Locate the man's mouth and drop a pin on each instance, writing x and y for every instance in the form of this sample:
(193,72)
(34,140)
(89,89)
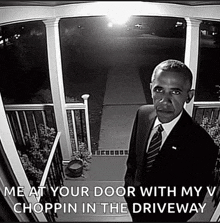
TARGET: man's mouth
(165,111)
(165,115)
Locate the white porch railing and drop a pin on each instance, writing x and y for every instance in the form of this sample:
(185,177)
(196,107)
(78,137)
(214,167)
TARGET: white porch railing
(212,111)
(24,119)
(76,121)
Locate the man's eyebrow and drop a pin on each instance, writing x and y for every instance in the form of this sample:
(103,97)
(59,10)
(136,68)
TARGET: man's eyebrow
(176,89)
(158,86)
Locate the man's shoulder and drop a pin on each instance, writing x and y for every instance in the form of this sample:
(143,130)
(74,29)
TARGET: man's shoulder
(193,126)
(146,108)
(196,132)
(146,111)
(196,137)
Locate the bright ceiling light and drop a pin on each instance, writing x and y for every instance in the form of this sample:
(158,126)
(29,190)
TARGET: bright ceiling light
(110,24)
(120,12)
(118,18)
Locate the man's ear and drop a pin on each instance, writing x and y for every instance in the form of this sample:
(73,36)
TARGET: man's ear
(191,94)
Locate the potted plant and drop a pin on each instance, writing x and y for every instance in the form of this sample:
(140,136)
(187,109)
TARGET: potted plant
(79,161)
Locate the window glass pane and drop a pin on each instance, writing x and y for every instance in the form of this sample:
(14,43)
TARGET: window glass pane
(24,66)
(91,46)
(208,78)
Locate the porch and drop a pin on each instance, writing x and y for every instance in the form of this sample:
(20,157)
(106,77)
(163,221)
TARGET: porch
(71,120)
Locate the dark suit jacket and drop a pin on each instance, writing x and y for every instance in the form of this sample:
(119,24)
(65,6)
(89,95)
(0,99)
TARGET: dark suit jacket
(187,157)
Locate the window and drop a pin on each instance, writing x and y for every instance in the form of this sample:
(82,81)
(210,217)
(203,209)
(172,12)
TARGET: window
(208,74)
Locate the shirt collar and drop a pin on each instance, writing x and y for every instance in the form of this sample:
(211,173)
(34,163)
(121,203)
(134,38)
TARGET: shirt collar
(167,126)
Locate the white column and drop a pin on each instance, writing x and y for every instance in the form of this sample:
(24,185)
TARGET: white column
(192,53)
(216,215)
(56,82)
(15,163)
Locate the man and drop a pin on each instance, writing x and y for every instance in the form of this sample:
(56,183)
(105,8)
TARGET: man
(179,160)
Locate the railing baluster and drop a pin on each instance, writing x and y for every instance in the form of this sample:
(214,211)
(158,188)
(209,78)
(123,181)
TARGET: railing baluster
(88,132)
(58,167)
(26,123)
(74,129)
(59,162)
(85,98)
(20,127)
(81,126)
(218,115)
(203,112)
(44,118)
(35,124)
(212,114)
(12,132)
(14,128)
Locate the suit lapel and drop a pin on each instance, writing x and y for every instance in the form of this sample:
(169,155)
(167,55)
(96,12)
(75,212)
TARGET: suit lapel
(148,131)
(173,139)
(146,125)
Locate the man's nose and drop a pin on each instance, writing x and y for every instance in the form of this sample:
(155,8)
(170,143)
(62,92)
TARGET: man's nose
(166,98)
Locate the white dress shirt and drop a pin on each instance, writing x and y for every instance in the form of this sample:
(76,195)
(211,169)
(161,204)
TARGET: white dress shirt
(167,127)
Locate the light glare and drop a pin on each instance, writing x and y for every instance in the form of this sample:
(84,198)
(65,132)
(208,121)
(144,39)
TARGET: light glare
(110,24)
(119,18)
(120,13)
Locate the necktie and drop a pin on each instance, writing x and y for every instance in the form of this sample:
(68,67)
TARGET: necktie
(154,148)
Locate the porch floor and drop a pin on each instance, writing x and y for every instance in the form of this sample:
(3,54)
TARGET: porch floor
(105,171)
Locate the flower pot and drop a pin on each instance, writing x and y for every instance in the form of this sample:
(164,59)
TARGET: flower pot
(74,168)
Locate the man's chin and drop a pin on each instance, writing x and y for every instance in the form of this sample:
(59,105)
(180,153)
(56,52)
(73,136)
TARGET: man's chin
(165,116)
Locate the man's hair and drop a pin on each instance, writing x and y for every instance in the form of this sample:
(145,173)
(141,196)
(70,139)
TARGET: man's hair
(175,66)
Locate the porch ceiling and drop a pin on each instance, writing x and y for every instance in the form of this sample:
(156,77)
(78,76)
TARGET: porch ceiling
(38,3)
(56,3)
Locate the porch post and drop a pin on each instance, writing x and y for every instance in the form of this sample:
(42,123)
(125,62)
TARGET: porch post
(56,82)
(192,53)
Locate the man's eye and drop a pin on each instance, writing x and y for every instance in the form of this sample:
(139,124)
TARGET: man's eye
(176,92)
(158,90)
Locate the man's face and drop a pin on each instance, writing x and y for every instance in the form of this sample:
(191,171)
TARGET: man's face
(169,91)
